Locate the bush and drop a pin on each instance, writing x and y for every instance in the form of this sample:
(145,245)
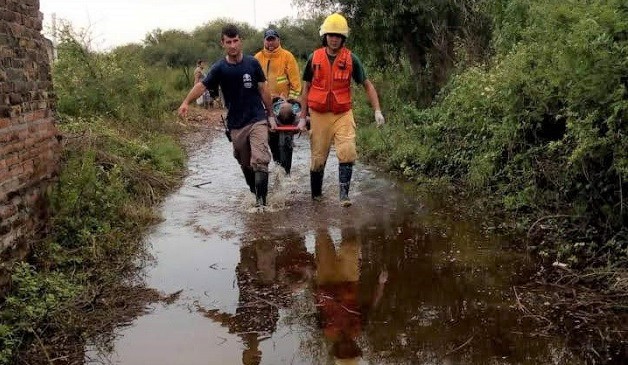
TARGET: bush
(115,85)
(543,126)
(37,297)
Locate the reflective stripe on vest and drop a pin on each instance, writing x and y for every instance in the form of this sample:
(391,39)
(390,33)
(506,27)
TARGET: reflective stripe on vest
(331,84)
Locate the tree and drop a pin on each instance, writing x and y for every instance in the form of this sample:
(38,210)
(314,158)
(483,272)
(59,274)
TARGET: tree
(172,48)
(208,35)
(427,32)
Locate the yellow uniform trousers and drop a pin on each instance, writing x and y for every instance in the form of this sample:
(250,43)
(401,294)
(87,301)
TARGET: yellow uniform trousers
(337,265)
(328,128)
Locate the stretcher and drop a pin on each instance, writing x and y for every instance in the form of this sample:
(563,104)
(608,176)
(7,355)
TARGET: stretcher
(282,139)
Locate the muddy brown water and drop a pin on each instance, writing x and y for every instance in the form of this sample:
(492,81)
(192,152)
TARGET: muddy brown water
(397,278)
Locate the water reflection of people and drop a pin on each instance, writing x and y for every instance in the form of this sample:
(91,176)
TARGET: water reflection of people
(341,310)
(268,272)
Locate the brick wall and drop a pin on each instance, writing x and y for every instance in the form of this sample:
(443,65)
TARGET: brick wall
(29,149)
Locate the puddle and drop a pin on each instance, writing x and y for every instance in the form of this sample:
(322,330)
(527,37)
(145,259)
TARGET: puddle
(389,280)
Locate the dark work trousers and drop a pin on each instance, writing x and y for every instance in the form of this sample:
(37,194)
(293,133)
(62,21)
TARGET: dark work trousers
(250,146)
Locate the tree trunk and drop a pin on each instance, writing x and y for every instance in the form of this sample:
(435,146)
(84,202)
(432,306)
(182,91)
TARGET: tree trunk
(418,61)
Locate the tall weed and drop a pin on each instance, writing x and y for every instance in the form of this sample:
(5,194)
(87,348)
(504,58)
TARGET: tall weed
(115,85)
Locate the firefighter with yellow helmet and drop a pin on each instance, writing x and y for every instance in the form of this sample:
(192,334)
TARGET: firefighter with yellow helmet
(326,96)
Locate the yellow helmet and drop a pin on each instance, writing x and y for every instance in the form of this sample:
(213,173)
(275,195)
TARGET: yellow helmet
(335,24)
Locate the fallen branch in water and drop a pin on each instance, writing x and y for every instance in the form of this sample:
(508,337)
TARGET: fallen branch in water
(460,347)
(546,218)
(202,184)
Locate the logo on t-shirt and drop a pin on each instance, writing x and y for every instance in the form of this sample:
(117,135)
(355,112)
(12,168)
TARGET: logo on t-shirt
(247,80)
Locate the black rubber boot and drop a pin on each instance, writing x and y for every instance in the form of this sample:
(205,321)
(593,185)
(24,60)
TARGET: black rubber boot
(273,143)
(285,151)
(345,170)
(249,176)
(316,184)
(261,188)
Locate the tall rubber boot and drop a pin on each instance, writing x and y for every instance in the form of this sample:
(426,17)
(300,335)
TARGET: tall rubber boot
(345,170)
(261,188)
(249,176)
(285,151)
(273,143)
(316,184)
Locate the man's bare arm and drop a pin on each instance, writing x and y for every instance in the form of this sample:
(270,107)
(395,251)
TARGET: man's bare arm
(267,100)
(371,93)
(196,91)
(264,90)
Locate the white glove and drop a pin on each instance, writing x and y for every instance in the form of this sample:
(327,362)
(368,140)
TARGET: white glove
(302,125)
(272,122)
(379,118)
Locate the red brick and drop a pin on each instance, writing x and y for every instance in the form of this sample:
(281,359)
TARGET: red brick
(6,211)
(29,151)
(12,160)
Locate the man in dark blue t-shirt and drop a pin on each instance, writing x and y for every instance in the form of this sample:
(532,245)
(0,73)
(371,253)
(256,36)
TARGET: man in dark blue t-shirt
(245,93)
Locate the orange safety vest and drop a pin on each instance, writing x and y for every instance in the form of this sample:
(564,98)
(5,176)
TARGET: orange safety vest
(331,84)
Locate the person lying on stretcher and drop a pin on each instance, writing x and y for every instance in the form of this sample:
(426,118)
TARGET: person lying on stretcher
(281,141)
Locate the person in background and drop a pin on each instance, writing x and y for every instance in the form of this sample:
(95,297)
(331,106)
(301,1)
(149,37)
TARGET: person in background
(243,85)
(280,67)
(199,74)
(283,77)
(282,142)
(327,97)
(199,71)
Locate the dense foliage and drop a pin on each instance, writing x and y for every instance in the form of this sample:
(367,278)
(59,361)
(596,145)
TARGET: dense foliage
(179,50)
(542,126)
(429,33)
(115,85)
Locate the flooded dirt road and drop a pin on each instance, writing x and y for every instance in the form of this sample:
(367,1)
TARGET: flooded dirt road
(393,279)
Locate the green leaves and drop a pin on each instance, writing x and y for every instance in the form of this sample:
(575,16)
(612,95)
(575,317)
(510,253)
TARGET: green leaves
(114,85)
(542,125)
(35,298)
